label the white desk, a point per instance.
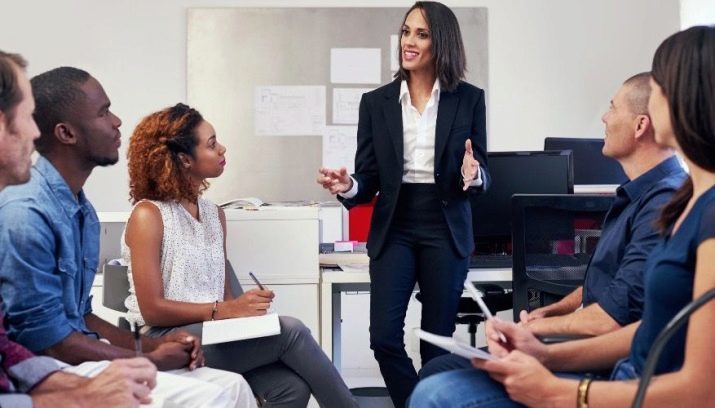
(335, 281)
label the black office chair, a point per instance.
(553, 238)
(495, 297)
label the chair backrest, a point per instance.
(553, 236)
(233, 282)
(115, 288)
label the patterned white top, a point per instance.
(193, 265)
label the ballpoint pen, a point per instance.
(137, 339)
(478, 298)
(255, 280)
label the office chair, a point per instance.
(468, 312)
(116, 289)
(553, 238)
(673, 325)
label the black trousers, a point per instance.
(419, 249)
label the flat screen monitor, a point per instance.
(590, 165)
(530, 172)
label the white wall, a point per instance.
(696, 12)
(554, 64)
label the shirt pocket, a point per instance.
(70, 295)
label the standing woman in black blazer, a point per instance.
(422, 149)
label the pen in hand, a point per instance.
(487, 314)
(256, 280)
(137, 339)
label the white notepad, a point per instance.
(452, 345)
(240, 328)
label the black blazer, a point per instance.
(379, 160)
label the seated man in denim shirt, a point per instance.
(49, 233)
(612, 295)
(27, 380)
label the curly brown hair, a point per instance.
(155, 170)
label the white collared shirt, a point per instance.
(418, 138)
(418, 135)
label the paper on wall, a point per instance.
(289, 110)
(346, 103)
(339, 147)
(355, 65)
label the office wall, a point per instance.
(696, 12)
(553, 64)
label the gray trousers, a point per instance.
(282, 370)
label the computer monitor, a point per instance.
(530, 172)
(590, 165)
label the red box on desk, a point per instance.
(359, 221)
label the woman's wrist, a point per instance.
(564, 393)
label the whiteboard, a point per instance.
(232, 51)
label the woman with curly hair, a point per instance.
(175, 245)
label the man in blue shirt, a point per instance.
(27, 380)
(612, 294)
(49, 233)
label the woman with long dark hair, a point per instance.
(422, 150)
(681, 268)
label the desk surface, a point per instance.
(330, 275)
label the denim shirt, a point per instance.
(50, 249)
(614, 277)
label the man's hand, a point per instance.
(470, 166)
(124, 383)
(254, 302)
(335, 180)
(518, 338)
(171, 355)
(196, 354)
(535, 314)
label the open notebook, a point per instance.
(240, 328)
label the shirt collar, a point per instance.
(70, 203)
(637, 187)
(405, 92)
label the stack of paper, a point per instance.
(240, 328)
(452, 345)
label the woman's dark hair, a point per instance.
(450, 60)
(155, 169)
(684, 68)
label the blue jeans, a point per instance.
(449, 381)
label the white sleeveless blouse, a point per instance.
(193, 265)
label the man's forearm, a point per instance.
(590, 321)
(58, 381)
(568, 304)
(78, 348)
(118, 337)
(595, 353)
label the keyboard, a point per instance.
(490, 261)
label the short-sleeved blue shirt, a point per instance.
(614, 277)
(669, 285)
(50, 250)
